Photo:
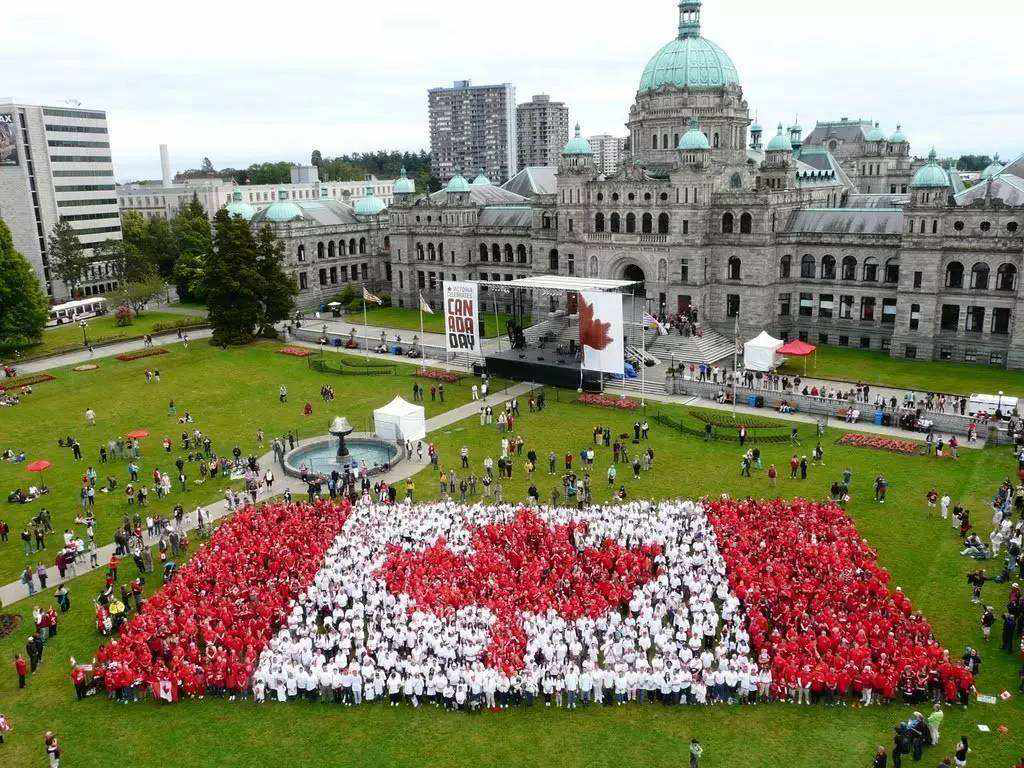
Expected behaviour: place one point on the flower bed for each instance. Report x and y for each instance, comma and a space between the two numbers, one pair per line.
126, 357
878, 442
9, 622
735, 423
294, 351
449, 377
25, 381
608, 401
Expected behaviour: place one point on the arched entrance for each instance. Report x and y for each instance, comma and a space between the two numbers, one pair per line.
635, 273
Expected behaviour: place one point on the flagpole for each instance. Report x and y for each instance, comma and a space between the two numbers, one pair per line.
735, 361
366, 324
643, 356
421, 328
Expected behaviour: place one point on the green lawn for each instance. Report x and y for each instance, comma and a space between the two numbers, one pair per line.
102, 329
873, 367
234, 392
409, 320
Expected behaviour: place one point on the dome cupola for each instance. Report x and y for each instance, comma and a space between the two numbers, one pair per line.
690, 61
931, 175
577, 145
404, 185
694, 139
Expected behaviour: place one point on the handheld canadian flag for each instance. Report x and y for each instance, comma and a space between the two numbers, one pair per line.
165, 690
367, 296
424, 306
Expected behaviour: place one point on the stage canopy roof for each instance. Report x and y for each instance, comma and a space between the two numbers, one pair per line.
559, 283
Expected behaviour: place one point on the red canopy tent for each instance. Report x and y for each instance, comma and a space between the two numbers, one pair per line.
797, 348
40, 466
138, 434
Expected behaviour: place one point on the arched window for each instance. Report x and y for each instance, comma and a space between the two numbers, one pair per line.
599, 222
300, 254
785, 266
352, 247
509, 258
647, 224
419, 251
320, 250
849, 268
483, 252
593, 266
553, 260
431, 252
342, 248
654, 141
892, 271
746, 224
387, 243
807, 267
614, 223
727, 224
664, 141
521, 253
979, 276
734, 268
630, 222
663, 222
954, 275
828, 267
362, 245
495, 253
662, 270
716, 141
1006, 277
330, 249
870, 274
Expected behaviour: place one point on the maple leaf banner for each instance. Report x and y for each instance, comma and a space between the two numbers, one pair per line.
601, 332
461, 317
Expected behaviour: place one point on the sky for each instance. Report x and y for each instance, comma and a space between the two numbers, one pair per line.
252, 82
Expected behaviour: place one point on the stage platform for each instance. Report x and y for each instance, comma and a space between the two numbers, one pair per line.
542, 366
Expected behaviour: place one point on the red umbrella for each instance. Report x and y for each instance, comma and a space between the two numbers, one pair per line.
138, 434
39, 465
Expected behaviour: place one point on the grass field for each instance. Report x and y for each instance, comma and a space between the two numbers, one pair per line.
101, 329
234, 392
848, 364
409, 320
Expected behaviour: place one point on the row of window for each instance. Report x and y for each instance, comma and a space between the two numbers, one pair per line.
809, 269
75, 128
974, 321
73, 174
1006, 276
90, 216
495, 253
96, 201
729, 223
80, 158
617, 223
98, 144
84, 187
87, 114
98, 230
330, 250
331, 275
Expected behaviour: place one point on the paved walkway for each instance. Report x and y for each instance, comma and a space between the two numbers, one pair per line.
110, 350
16, 591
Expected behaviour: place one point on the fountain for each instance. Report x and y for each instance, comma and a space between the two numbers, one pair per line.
340, 428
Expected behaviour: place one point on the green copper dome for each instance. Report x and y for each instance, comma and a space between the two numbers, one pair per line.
481, 180
780, 142
404, 185
898, 137
991, 170
281, 212
369, 206
693, 140
875, 134
457, 184
577, 145
690, 61
931, 175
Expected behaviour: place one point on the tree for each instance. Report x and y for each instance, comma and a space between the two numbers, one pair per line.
23, 306
67, 257
194, 244
160, 246
127, 263
973, 162
231, 281
138, 294
316, 158
207, 166
277, 287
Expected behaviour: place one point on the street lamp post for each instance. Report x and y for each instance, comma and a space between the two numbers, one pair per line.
85, 339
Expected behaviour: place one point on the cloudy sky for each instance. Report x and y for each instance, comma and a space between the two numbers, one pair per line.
244, 82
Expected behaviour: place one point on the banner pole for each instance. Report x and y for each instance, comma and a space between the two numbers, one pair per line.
366, 325
497, 323
643, 357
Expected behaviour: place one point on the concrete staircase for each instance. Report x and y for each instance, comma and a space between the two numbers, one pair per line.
709, 348
652, 386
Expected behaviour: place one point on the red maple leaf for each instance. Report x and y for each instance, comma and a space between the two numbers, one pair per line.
593, 333
524, 566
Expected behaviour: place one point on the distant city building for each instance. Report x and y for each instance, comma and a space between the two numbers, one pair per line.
157, 200
55, 164
473, 129
608, 151
542, 127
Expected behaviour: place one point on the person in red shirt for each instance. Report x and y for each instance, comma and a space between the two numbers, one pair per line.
21, 668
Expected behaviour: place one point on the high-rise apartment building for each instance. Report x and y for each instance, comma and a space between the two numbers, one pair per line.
607, 151
55, 164
542, 126
473, 129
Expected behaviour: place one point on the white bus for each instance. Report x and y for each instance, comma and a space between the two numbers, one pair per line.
74, 311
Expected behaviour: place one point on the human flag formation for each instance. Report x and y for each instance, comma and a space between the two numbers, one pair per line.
367, 296
472, 605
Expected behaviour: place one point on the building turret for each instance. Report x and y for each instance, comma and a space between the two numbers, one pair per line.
755, 136
576, 154
404, 188
694, 147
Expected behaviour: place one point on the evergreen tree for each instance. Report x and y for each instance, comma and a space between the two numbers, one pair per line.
67, 256
161, 247
23, 306
277, 287
232, 282
194, 244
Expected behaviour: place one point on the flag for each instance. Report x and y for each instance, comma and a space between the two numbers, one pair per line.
367, 296
164, 690
424, 306
650, 321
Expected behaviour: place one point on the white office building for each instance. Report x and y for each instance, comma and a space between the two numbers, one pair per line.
608, 152
55, 163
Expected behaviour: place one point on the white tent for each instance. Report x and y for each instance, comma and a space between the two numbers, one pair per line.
759, 353
400, 420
